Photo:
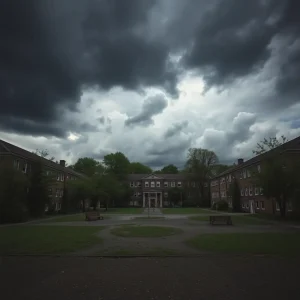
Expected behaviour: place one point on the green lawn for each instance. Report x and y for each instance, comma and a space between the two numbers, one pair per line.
144, 231
149, 218
187, 210
157, 251
47, 239
236, 220
72, 218
284, 244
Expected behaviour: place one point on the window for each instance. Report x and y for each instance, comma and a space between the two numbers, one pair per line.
247, 205
146, 183
242, 192
152, 183
172, 184
229, 178
24, 169
16, 164
261, 191
246, 191
258, 168
256, 205
179, 183
57, 193
61, 176
57, 176
157, 183
250, 191
165, 194
135, 194
138, 184
244, 173
50, 192
248, 173
262, 204
131, 184
166, 184
241, 175
256, 191
243, 205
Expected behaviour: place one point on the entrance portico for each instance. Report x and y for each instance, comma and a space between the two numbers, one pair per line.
152, 199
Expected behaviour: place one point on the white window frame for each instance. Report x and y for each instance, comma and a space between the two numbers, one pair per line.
257, 205
179, 184
241, 175
258, 168
138, 184
146, 183
242, 192
262, 203
244, 173
131, 183
166, 184
246, 192
173, 184
166, 194
152, 184
250, 191
256, 191
157, 183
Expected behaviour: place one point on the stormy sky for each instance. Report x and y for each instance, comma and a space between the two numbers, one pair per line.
149, 78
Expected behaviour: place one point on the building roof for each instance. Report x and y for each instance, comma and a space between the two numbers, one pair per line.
292, 145
163, 176
34, 157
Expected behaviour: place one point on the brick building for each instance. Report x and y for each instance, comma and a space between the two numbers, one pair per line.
23, 160
252, 197
153, 189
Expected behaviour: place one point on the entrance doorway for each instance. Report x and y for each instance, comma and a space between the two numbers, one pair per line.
251, 204
152, 202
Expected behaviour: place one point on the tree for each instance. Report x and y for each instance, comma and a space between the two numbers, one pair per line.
266, 145
88, 166
220, 168
169, 169
38, 190
279, 180
199, 167
235, 193
138, 168
175, 195
117, 164
43, 153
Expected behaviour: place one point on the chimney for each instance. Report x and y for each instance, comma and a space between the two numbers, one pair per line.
240, 161
62, 163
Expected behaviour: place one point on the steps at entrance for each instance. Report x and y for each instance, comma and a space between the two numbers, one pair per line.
152, 211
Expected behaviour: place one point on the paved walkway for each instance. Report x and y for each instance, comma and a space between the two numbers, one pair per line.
152, 211
212, 277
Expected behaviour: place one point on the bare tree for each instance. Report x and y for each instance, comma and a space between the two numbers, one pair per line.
44, 153
266, 145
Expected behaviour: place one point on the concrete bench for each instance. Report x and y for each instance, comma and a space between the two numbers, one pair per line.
93, 216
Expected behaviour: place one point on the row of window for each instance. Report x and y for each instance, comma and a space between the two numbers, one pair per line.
154, 184
258, 205
249, 191
58, 192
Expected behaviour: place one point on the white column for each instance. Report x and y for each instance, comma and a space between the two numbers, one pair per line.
143, 199
155, 199
161, 201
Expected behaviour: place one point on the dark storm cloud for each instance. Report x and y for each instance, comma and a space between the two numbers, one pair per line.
175, 129
151, 107
101, 120
50, 50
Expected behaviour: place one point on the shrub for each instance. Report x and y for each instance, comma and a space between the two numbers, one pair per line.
13, 212
222, 205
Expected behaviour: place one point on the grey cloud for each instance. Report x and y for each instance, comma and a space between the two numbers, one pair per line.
108, 129
152, 106
175, 129
101, 120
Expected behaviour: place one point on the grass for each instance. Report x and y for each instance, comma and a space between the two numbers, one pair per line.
144, 231
238, 220
47, 239
149, 218
147, 252
124, 210
72, 218
187, 210
283, 244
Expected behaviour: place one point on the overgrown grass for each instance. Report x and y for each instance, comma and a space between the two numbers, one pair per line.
238, 220
144, 231
47, 239
284, 244
187, 210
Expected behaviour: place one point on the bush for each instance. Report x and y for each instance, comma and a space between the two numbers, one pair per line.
13, 212
214, 206
222, 205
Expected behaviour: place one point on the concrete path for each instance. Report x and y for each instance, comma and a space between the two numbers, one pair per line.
153, 211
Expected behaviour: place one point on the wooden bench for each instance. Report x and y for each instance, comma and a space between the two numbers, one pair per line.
221, 219
93, 216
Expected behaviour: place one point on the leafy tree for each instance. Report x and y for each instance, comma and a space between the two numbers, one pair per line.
235, 193
38, 191
199, 168
279, 180
175, 195
88, 166
117, 164
13, 194
270, 144
169, 169
138, 168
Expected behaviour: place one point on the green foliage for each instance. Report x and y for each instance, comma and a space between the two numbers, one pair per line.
220, 168
138, 168
117, 164
176, 195
88, 166
270, 144
38, 191
169, 169
222, 205
13, 195
235, 193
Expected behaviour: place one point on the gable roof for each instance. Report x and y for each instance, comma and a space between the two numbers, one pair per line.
292, 145
160, 176
34, 157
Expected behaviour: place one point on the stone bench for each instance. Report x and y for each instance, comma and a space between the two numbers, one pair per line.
220, 219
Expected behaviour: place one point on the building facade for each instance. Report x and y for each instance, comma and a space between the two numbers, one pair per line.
252, 196
23, 161
152, 190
